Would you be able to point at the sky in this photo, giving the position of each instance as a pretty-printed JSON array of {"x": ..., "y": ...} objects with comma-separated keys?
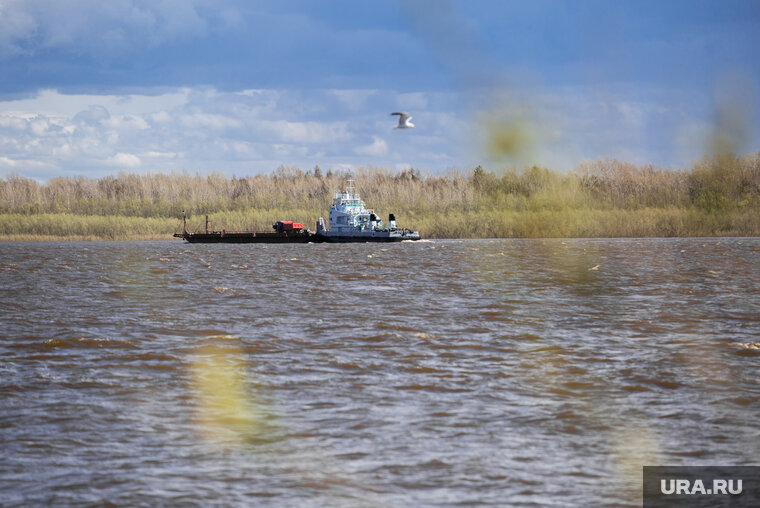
[{"x": 91, "y": 88}]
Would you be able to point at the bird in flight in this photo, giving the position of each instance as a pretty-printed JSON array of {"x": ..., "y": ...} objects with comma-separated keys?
[{"x": 404, "y": 121}]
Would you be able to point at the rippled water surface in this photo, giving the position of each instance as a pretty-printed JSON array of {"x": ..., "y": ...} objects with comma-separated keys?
[{"x": 505, "y": 372}]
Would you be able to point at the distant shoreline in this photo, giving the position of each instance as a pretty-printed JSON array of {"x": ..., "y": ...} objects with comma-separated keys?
[
  {"x": 572, "y": 223},
  {"x": 718, "y": 197}
]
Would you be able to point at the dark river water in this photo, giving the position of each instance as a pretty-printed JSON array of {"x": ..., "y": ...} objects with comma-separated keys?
[{"x": 503, "y": 372}]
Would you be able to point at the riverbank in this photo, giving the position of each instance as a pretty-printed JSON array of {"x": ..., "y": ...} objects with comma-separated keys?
[
  {"x": 606, "y": 198},
  {"x": 648, "y": 222}
]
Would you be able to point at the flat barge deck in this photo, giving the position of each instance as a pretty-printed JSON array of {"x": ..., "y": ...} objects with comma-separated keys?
[{"x": 284, "y": 232}]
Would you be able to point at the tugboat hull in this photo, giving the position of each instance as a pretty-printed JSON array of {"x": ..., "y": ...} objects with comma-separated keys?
[{"x": 369, "y": 237}]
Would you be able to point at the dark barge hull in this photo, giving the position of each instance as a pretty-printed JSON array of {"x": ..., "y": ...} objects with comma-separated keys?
[{"x": 218, "y": 237}]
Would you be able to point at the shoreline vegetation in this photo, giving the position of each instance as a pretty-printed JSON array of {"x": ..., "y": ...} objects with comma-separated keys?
[{"x": 717, "y": 196}]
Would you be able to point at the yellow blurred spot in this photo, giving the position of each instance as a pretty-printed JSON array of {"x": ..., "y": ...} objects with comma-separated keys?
[
  {"x": 734, "y": 100},
  {"x": 634, "y": 447},
  {"x": 226, "y": 411},
  {"x": 508, "y": 139}
]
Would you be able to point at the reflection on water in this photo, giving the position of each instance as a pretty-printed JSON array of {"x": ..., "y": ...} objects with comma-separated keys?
[{"x": 488, "y": 371}]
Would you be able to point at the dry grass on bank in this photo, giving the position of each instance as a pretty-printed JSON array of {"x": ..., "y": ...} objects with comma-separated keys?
[{"x": 606, "y": 198}]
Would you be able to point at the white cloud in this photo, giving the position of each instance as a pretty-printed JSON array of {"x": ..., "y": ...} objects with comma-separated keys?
[
  {"x": 14, "y": 122},
  {"x": 194, "y": 129},
  {"x": 95, "y": 114},
  {"x": 253, "y": 131},
  {"x": 128, "y": 122},
  {"x": 159, "y": 155},
  {"x": 124, "y": 160},
  {"x": 160, "y": 117},
  {"x": 39, "y": 127},
  {"x": 205, "y": 121},
  {"x": 50, "y": 102},
  {"x": 377, "y": 147},
  {"x": 7, "y": 163},
  {"x": 307, "y": 132}
]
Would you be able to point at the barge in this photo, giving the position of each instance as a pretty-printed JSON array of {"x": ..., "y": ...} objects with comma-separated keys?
[
  {"x": 349, "y": 220},
  {"x": 284, "y": 232}
]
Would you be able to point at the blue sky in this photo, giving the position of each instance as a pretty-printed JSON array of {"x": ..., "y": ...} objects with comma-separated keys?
[{"x": 93, "y": 88}]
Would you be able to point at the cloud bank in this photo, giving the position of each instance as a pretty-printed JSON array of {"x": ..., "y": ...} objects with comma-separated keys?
[
  {"x": 251, "y": 131},
  {"x": 206, "y": 130}
]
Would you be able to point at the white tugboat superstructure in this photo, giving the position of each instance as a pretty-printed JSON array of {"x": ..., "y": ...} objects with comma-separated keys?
[{"x": 351, "y": 221}]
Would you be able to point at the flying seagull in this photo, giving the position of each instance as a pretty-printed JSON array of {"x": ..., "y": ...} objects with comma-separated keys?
[{"x": 404, "y": 121}]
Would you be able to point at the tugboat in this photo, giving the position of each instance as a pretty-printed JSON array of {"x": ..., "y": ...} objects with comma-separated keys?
[{"x": 350, "y": 221}]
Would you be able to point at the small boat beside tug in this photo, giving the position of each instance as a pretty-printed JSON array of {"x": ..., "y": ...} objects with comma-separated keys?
[{"x": 349, "y": 220}]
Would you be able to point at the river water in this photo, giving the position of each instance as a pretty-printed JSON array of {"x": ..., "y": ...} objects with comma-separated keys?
[{"x": 504, "y": 372}]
